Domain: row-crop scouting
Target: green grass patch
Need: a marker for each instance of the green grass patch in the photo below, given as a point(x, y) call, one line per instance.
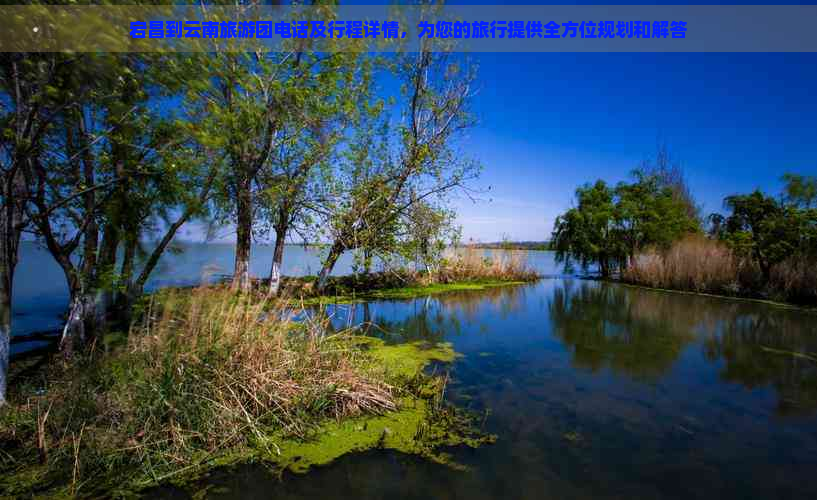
point(402, 293)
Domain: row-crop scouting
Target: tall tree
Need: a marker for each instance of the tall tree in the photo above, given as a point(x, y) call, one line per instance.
point(767, 231)
point(28, 84)
point(585, 233)
point(669, 173)
point(327, 89)
point(116, 163)
point(801, 190)
point(650, 212)
point(610, 225)
point(75, 182)
point(374, 195)
point(764, 229)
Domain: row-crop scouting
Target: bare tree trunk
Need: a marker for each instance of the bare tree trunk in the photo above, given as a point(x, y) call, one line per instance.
point(5, 339)
point(73, 333)
point(91, 276)
point(367, 261)
point(11, 224)
point(82, 314)
point(329, 264)
point(604, 263)
point(126, 271)
point(241, 273)
point(81, 323)
point(277, 261)
point(105, 267)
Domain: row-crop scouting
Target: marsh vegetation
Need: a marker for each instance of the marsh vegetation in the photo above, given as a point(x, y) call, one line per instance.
point(651, 232)
point(208, 378)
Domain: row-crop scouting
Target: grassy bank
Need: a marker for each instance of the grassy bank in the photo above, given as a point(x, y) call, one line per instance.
point(701, 265)
point(208, 379)
point(466, 268)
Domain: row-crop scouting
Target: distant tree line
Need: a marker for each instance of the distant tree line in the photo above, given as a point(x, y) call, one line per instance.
point(514, 245)
point(764, 246)
point(106, 156)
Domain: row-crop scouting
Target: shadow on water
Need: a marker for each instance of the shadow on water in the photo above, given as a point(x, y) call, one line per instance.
point(595, 391)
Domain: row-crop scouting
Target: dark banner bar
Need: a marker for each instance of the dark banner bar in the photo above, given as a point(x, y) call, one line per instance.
point(515, 28)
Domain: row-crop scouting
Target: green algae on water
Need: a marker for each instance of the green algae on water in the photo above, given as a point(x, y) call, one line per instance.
point(422, 424)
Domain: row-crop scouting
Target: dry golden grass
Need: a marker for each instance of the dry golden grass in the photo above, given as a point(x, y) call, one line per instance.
point(475, 264)
point(701, 264)
point(796, 279)
point(695, 263)
point(206, 371)
point(252, 363)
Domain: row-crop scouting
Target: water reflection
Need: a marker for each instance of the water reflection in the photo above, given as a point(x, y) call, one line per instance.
point(430, 318)
point(597, 391)
point(633, 332)
point(642, 333)
point(769, 349)
point(637, 334)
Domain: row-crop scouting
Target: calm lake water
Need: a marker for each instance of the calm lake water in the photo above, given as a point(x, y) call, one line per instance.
point(595, 391)
point(41, 294)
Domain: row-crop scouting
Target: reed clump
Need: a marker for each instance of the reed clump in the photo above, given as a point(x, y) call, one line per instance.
point(703, 265)
point(796, 279)
point(474, 264)
point(204, 374)
point(695, 264)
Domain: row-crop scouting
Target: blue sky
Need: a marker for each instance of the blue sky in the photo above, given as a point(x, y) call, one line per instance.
point(550, 122)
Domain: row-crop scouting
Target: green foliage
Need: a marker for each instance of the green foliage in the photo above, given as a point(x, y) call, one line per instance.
point(428, 231)
point(801, 190)
point(769, 231)
point(583, 233)
point(610, 225)
point(389, 196)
